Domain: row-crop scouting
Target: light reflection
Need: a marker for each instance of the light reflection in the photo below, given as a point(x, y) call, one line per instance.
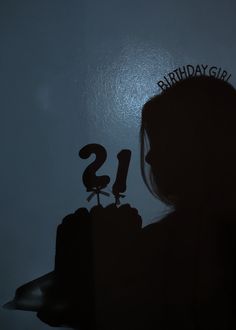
point(120, 87)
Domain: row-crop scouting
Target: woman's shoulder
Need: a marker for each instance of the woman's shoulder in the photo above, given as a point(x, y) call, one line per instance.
point(159, 226)
point(194, 225)
point(158, 233)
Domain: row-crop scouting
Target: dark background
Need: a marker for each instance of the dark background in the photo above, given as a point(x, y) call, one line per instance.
point(76, 72)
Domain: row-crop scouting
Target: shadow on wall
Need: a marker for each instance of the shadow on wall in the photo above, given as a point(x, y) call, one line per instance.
point(110, 273)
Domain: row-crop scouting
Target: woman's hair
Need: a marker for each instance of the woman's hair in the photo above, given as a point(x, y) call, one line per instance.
point(191, 127)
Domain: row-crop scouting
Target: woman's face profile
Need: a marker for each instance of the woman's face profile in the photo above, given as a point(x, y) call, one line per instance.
point(158, 147)
point(152, 152)
point(166, 157)
point(156, 158)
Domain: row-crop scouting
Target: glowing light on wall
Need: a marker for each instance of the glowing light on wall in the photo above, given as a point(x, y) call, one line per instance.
point(121, 85)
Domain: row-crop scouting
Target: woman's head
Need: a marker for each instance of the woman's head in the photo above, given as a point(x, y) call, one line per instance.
point(191, 132)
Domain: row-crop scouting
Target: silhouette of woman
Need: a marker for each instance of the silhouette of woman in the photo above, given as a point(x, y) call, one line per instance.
point(110, 273)
point(190, 255)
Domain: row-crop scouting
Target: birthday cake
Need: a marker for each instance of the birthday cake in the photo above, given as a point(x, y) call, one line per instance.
point(90, 261)
point(91, 253)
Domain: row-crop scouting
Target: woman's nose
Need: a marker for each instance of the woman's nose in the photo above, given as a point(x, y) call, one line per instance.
point(148, 158)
